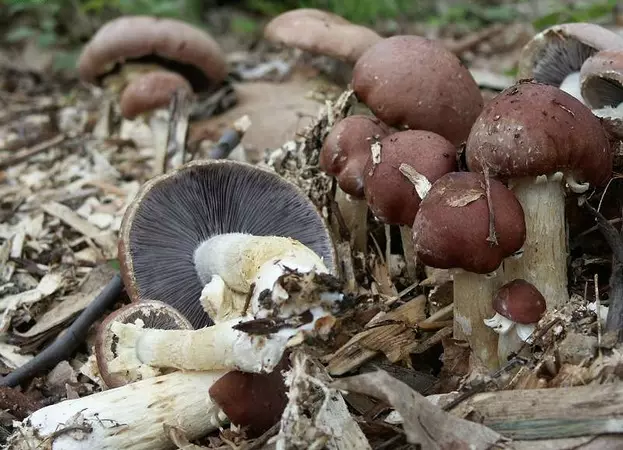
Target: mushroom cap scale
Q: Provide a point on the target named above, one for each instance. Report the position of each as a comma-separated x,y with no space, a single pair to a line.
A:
533,129
178,45
601,79
520,301
452,225
174,213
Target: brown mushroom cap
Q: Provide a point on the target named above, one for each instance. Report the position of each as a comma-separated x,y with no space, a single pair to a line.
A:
154,314
559,50
346,150
533,129
601,79
392,198
150,91
321,32
413,82
175,44
452,226
520,302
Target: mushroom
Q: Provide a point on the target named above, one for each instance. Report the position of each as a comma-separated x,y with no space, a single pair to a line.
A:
344,154
539,138
391,191
555,55
213,222
413,82
518,307
451,231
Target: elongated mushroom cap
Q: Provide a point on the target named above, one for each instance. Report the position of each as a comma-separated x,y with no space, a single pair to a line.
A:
601,79
452,225
346,150
177,45
414,82
153,314
520,301
174,213
150,91
391,196
533,129
321,32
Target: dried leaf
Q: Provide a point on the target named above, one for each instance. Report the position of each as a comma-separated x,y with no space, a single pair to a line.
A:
464,198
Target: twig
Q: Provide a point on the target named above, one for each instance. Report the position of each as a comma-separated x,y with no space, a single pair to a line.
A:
230,138
33,151
263,439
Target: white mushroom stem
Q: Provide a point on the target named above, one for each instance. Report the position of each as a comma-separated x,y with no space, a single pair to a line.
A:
512,335
159,126
571,85
543,261
472,305
128,417
354,211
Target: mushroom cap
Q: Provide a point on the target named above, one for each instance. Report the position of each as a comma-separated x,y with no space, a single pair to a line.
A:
346,150
150,91
153,313
414,82
252,400
175,212
321,32
451,229
601,79
533,129
561,49
520,301
180,46
391,196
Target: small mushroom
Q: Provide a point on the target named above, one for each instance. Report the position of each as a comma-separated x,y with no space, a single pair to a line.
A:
452,231
215,222
555,55
518,307
344,155
413,82
538,137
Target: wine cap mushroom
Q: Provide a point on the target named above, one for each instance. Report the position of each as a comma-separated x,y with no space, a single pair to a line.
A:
520,302
452,227
176,45
152,314
346,150
390,194
150,91
321,32
175,214
414,82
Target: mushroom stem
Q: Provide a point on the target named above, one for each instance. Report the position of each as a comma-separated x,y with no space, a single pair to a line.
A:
354,211
406,234
159,126
472,305
127,417
543,261
571,85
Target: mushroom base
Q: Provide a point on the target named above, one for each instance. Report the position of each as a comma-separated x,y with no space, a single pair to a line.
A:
354,211
473,294
543,261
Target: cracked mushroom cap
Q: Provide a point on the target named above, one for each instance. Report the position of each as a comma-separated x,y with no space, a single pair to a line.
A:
414,82
321,32
601,79
171,43
174,213
150,91
153,314
533,129
520,301
346,150
554,53
391,196
451,228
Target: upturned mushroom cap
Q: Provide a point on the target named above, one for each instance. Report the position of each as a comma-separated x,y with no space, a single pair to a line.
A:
174,213
451,228
154,314
560,50
346,150
601,79
520,301
413,82
321,32
391,196
150,91
533,129
178,46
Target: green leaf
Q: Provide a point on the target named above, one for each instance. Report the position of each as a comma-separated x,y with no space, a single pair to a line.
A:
20,33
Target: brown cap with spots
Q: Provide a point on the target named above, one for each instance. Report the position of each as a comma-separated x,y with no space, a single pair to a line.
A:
413,82
347,148
520,302
452,226
533,129
391,196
